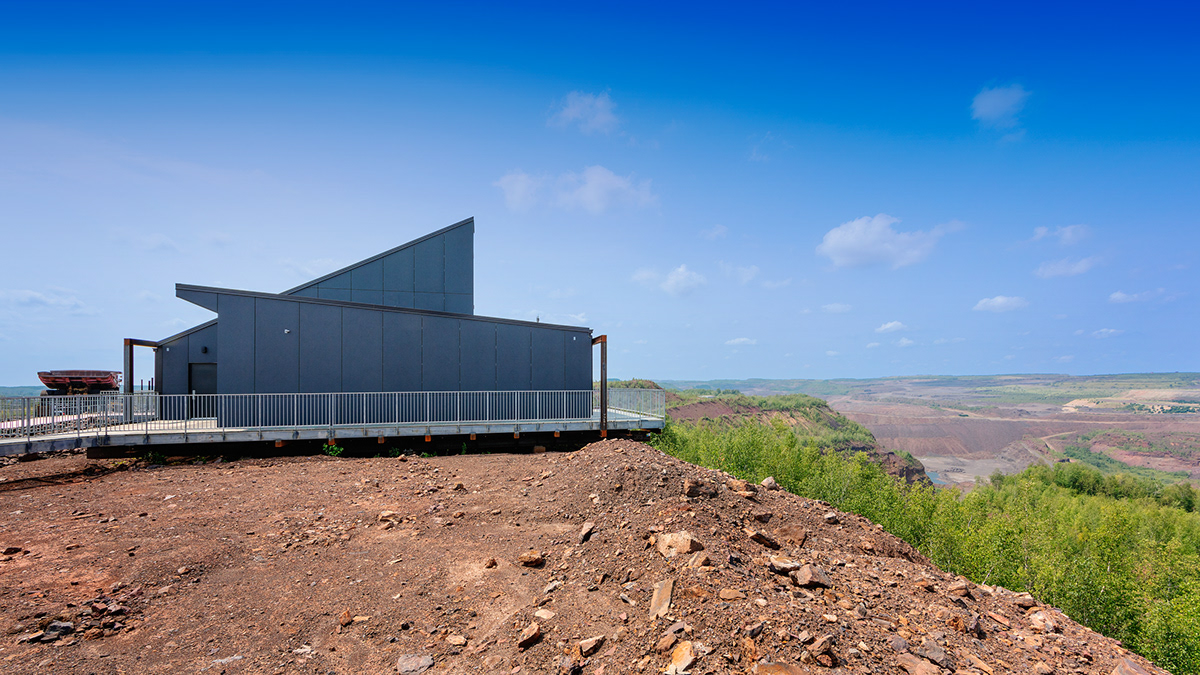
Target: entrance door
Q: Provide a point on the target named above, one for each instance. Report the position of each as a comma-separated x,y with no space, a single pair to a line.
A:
202,379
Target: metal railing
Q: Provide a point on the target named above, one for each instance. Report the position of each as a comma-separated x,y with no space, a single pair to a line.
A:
638,402
101,414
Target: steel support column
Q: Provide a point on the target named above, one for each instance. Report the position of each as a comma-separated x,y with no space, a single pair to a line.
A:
602,340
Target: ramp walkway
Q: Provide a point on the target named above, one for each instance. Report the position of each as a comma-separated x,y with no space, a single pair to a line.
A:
40,424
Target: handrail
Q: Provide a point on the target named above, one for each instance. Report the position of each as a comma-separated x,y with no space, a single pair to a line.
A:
97,414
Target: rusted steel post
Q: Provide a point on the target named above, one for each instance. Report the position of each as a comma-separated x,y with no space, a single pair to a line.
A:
602,340
128,384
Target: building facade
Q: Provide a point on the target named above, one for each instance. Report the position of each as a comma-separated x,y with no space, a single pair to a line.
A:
401,321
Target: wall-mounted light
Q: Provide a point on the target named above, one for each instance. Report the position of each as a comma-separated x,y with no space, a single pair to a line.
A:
204,350
287,330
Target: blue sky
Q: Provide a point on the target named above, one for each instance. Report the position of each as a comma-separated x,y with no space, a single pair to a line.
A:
755,191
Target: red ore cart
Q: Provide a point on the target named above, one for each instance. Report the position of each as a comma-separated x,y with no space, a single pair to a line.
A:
74,382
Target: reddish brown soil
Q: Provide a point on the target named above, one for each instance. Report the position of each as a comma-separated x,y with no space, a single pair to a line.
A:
1009,439
253,566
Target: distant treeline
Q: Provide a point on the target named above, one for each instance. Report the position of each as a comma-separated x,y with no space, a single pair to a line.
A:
1115,553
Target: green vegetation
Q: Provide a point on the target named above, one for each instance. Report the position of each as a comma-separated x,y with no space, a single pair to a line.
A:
1162,408
635,383
334,450
1111,467
152,456
1184,445
35,390
1124,563
815,420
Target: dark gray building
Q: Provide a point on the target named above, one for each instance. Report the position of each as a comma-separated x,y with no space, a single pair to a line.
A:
401,321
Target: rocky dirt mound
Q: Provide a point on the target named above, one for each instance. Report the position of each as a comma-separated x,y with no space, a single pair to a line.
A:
612,559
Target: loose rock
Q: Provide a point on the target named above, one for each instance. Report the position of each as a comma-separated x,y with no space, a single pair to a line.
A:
811,576
660,603
532,558
411,664
676,543
530,635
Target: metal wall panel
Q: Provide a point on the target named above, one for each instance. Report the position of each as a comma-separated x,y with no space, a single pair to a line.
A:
369,277
460,259
312,292
343,294
549,366
368,297
320,348
578,360
174,356
477,349
340,281
399,299
399,272
235,334
431,265
513,350
401,352
439,353
202,298
276,346
362,350
460,303
205,338
434,301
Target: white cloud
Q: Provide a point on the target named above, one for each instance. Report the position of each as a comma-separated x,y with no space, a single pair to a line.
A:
1120,297
595,189
592,112
891,327
743,275
681,280
872,345
1067,236
742,341
871,240
831,353
1106,333
715,232
1000,303
52,298
944,341
520,189
773,285
998,107
1065,267
836,308
1065,358
904,342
